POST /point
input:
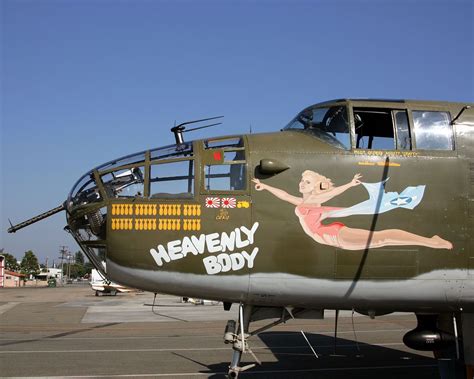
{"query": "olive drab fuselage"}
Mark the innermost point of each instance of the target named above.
(355, 204)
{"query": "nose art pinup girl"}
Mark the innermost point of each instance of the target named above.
(317, 190)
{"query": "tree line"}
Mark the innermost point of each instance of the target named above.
(30, 266)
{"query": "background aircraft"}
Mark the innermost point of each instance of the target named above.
(101, 285)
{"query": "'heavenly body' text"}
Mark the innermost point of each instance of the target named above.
(222, 243)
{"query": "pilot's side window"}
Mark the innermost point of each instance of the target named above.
(374, 129)
(433, 130)
(403, 130)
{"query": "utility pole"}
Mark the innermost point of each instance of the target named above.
(69, 257)
(63, 254)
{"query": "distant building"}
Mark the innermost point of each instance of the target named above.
(48, 273)
(13, 279)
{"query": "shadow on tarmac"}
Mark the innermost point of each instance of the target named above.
(59, 335)
(287, 355)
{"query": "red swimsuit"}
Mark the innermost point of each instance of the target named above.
(312, 218)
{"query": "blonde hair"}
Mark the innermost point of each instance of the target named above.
(324, 184)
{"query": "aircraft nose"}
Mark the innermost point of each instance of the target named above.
(86, 216)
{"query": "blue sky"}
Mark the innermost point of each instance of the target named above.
(86, 81)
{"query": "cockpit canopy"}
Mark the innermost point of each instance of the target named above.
(328, 123)
(374, 124)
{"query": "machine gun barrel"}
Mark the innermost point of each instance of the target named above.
(40, 217)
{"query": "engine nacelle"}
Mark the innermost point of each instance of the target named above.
(426, 336)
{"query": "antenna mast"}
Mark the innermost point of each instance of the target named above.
(178, 130)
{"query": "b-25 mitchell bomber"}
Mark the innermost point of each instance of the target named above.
(362, 205)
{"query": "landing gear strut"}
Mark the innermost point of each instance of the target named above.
(239, 339)
(239, 334)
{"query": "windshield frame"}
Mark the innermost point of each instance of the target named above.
(92, 181)
(303, 122)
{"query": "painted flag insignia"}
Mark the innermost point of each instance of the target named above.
(213, 202)
(402, 200)
(380, 201)
(228, 202)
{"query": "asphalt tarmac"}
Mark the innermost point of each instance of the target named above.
(68, 332)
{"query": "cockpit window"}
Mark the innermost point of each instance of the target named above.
(172, 172)
(374, 129)
(328, 124)
(172, 180)
(403, 130)
(226, 177)
(125, 183)
(85, 191)
(433, 130)
(226, 168)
